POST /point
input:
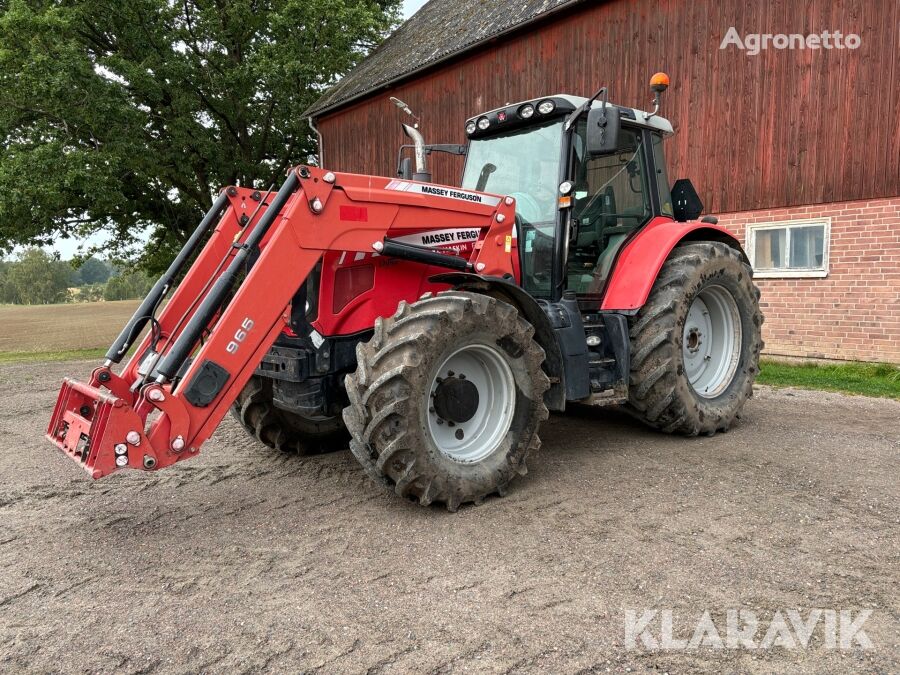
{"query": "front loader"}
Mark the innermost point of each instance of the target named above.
(431, 328)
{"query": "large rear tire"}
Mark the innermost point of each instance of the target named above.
(447, 398)
(695, 343)
(283, 430)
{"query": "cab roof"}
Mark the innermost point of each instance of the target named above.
(562, 105)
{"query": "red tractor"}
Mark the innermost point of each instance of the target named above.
(433, 327)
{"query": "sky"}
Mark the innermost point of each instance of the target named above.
(69, 247)
(411, 6)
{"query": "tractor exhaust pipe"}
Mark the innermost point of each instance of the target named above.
(422, 173)
(148, 307)
(188, 338)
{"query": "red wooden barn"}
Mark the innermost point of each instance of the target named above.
(787, 119)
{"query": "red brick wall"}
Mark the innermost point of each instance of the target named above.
(854, 312)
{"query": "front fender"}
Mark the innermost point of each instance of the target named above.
(640, 260)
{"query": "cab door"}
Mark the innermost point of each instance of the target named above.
(613, 196)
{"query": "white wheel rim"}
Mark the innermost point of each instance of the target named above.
(711, 342)
(476, 438)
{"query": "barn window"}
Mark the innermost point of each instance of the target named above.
(797, 248)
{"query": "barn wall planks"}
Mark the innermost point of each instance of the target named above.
(782, 128)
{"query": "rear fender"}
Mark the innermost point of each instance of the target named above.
(555, 398)
(639, 262)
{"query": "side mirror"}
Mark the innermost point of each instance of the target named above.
(603, 126)
(686, 204)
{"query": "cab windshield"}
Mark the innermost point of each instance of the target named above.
(524, 164)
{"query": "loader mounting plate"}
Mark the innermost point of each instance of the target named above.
(88, 424)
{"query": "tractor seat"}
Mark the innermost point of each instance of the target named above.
(604, 263)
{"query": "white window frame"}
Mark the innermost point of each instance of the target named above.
(788, 225)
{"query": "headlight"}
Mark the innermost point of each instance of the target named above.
(526, 111)
(470, 128)
(484, 123)
(546, 107)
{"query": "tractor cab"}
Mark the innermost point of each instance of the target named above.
(586, 175)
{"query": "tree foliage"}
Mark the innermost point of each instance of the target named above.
(128, 116)
(36, 279)
(127, 286)
(93, 271)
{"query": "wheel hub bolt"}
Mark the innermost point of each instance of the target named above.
(460, 434)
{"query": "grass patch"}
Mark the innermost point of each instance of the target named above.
(867, 379)
(58, 355)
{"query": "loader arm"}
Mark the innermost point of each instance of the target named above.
(231, 306)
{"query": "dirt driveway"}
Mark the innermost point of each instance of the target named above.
(242, 560)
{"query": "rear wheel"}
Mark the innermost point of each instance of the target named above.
(447, 398)
(695, 343)
(283, 430)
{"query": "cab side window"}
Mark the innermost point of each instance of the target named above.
(612, 198)
(662, 180)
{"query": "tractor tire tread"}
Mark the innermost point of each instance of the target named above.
(658, 393)
(281, 430)
(386, 441)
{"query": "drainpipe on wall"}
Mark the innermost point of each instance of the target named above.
(320, 155)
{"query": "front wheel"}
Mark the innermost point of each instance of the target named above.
(447, 398)
(279, 429)
(695, 343)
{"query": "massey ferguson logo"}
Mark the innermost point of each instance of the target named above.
(441, 191)
(456, 238)
(453, 194)
(448, 237)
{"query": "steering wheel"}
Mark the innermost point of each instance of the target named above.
(527, 206)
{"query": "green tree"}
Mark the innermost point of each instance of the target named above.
(6, 293)
(127, 286)
(91, 293)
(38, 279)
(128, 116)
(93, 271)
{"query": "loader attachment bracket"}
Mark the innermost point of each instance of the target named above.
(99, 430)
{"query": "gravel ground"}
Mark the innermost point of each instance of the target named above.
(242, 560)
